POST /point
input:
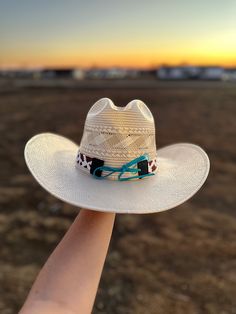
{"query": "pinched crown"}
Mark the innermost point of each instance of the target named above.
(118, 134)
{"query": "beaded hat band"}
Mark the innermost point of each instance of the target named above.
(139, 168)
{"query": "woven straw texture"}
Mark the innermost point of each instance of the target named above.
(118, 134)
(182, 170)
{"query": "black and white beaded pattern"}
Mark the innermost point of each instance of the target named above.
(84, 161)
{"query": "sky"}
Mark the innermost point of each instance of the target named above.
(129, 33)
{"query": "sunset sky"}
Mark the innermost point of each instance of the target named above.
(117, 33)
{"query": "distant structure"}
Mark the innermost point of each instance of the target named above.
(78, 74)
(171, 73)
(100, 73)
(20, 73)
(111, 73)
(69, 73)
(178, 73)
(229, 74)
(211, 73)
(56, 73)
(175, 73)
(190, 73)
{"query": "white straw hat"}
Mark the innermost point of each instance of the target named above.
(116, 167)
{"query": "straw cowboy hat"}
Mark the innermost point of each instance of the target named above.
(116, 167)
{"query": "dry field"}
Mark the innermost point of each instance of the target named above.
(182, 261)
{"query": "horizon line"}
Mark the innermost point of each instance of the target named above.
(94, 66)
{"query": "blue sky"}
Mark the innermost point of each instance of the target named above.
(117, 32)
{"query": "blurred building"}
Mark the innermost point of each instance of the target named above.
(186, 72)
(190, 73)
(20, 73)
(62, 73)
(100, 73)
(172, 73)
(211, 73)
(57, 73)
(78, 74)
(229, 74)
(112, 73)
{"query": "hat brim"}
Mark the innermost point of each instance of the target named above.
(182, 170)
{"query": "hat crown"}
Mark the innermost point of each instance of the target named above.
(118, 134)
(105, 113)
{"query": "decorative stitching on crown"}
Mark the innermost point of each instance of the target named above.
(109, 129)
(111, 153)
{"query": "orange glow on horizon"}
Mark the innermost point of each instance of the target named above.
(61, 55)
(124, 61)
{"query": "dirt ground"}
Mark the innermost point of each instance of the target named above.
(182, 261)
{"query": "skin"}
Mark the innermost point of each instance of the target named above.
(68, 281)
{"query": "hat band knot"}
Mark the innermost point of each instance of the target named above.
(128, 167)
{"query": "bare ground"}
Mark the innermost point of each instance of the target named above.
(181, 261)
